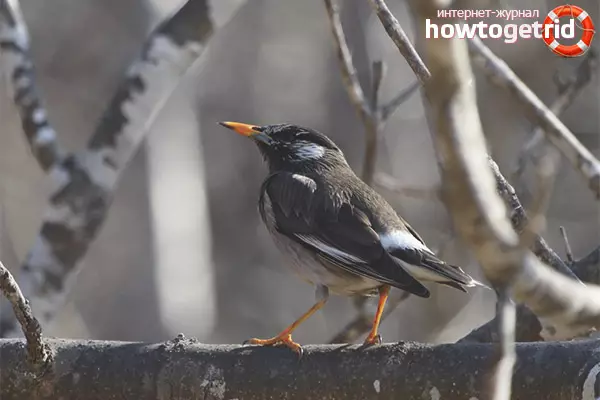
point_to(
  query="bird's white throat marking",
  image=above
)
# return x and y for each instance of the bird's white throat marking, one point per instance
(308, 151)
(401, 240)
(306, 181)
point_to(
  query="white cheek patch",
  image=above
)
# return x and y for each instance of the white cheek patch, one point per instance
(308, 151)
(401, 240)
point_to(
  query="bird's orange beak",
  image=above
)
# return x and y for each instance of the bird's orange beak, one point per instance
(242, 129)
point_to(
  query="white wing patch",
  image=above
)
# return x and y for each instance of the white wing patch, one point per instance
(329, 250)
(308, 151)
(422, 273)
(401, 239)
(312, 185)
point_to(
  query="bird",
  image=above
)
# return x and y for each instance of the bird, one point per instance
(338, 233)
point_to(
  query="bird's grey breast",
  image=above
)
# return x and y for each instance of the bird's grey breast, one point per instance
(302, 261)
(305, 262)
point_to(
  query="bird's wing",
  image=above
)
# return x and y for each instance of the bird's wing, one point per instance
(333, 228)
(423, 257)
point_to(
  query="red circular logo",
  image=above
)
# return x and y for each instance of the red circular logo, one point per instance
(587, 28)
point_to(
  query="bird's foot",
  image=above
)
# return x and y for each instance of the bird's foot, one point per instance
(285, 340)
(372, 339)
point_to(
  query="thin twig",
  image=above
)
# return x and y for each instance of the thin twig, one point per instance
(16, 64)
(556, 131)
(390, 108)
(38, 352)
(373, 124)
(568, 91)
(397, 34)
(568, 250)
(372, 115)
(349, 74)
(378, 73)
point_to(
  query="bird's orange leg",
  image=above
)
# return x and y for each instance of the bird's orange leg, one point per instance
(285, 337)
(374, 337)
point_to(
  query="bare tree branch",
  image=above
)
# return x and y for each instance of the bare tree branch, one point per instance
(17, 67)
(369, 116)
(518, 216)
(528, 326)
(372, 115)
(184, 369)
(558, 134)
(349, 74)
(519, 221)
(393, 29)
(38, 353)
(85, 182)
(503, 371)
(566, 308)
(568, 91)
(397, 34)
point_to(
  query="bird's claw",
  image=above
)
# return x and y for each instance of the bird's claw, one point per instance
(285, 340)
(373, 340)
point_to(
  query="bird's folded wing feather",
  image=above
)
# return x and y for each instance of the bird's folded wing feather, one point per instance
(425, 258)
(338, 231)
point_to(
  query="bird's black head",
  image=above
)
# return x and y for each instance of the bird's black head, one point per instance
(291, 147)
